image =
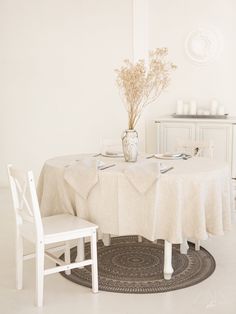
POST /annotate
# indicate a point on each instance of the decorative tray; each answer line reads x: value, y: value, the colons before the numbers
x: 200, y: 116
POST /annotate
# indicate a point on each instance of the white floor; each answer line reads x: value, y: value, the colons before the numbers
x: 215, y: 295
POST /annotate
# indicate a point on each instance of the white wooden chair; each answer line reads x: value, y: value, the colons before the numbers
x: 196, y: 149
x: 43, y: 231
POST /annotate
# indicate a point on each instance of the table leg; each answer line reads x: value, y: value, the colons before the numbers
x: 197, y: 245
x: 168, y: 269
x: 80, y: 250
x: 106, y: 238
x: 184, y: 247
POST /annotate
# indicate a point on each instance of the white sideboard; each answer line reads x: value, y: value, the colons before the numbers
x: 222, y: 132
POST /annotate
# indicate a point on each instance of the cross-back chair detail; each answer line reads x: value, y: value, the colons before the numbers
x: 20, y: 187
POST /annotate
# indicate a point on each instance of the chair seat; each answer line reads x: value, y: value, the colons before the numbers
x: 59, y: 228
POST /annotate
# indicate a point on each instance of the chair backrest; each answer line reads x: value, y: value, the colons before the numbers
x: 111, y: 146
x: 196, y: 148
x: 25, y: 201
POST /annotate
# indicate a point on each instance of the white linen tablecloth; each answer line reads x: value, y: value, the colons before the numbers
x: 191, y: 201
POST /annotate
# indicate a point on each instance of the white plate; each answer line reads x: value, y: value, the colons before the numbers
x: 169, y: 156
x: 113, y: 155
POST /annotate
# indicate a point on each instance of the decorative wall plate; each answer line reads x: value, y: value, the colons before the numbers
x: 203, y: 45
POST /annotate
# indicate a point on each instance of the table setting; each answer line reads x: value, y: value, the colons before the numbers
x: 113, y: 186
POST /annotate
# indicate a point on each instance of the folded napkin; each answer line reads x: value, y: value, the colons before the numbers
x: 142, y: 175
x: 82, y: 176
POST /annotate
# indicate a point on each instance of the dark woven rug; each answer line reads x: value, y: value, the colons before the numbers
x: 127, y: 266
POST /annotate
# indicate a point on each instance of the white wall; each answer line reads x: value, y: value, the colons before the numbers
x: 170, y: 21
x: 57, y: 82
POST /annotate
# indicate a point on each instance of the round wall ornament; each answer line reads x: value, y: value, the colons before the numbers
x: 203, y: 45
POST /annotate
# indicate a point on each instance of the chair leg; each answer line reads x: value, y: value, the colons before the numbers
x: 80, y: 251
x: 19, y: 262
x: 94, y: 262
x: 39, y: 274
x: 106, y: 238
x: 67, y: 256
x: 184, y: 247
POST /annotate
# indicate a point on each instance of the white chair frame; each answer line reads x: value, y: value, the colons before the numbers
x: 43, y: 231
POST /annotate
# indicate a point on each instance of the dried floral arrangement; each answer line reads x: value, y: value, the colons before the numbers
x: 141, y: 85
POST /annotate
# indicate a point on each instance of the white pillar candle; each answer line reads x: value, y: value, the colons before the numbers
x: 221, y: 110
x: 180, y: 107
x: 193, y: 107
x: 186, y: 111
x: 214, y: 105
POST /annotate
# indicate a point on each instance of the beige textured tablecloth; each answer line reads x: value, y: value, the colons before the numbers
x: 191, y: 201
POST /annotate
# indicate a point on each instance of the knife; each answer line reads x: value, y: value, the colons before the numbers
x: 106, y: 166
x: 166, y: 170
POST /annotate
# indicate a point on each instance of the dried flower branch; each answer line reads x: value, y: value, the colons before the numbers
x: 140, y: 85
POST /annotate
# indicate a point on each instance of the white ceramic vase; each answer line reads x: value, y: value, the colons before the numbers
x: 130, y: 145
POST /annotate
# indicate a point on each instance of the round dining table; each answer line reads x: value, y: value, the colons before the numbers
x: 169, y: 199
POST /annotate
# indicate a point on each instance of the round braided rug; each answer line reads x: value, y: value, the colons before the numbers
x: 127, y: 266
